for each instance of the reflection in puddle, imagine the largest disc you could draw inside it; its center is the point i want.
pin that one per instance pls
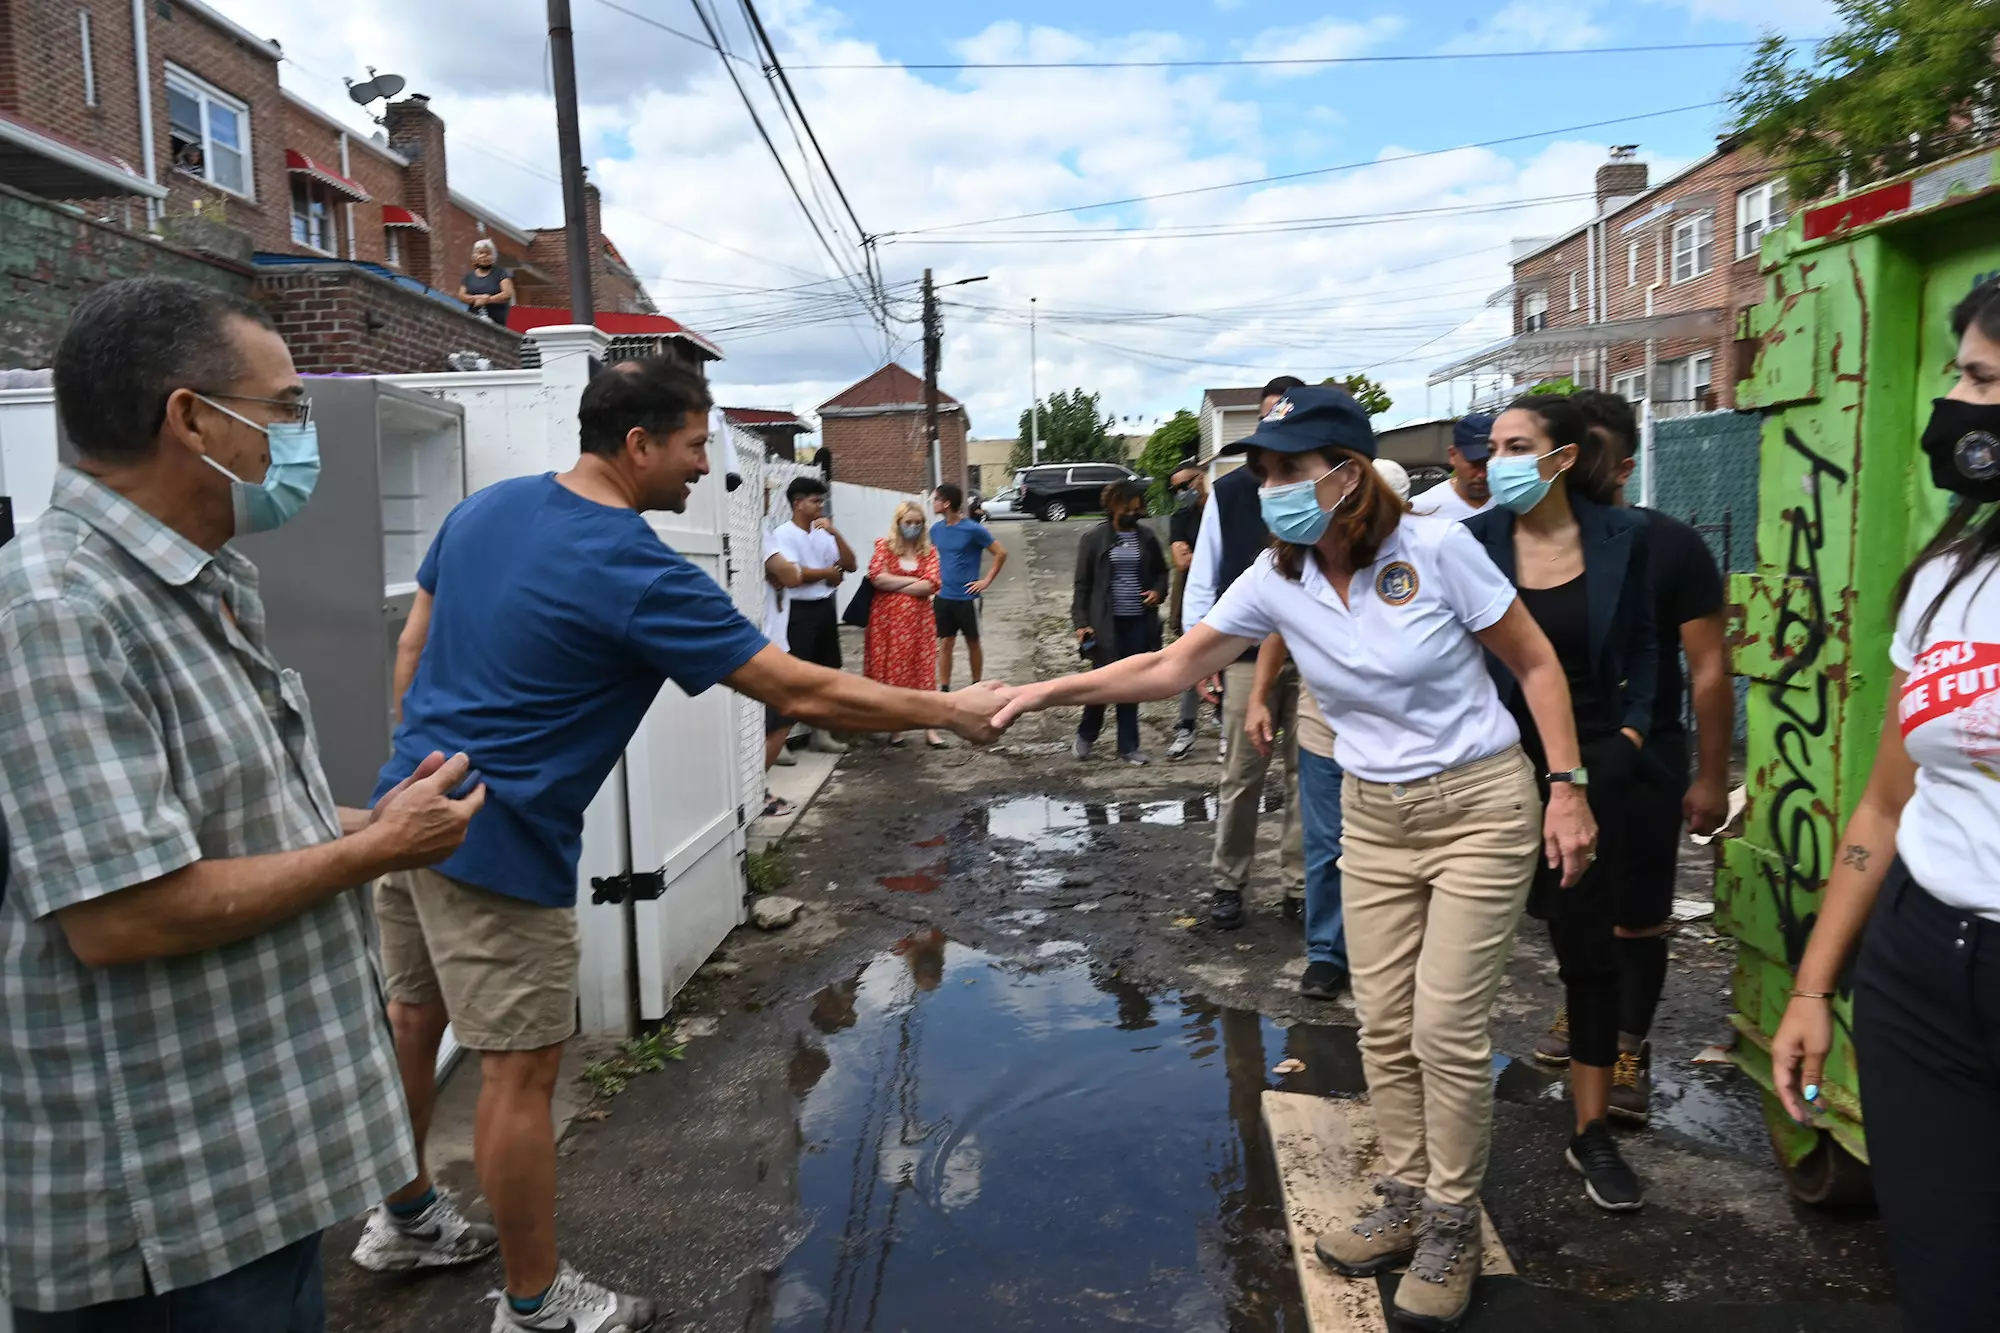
(1050, 1148)
(924, 880)
(1052, 825)
(1709, 1105)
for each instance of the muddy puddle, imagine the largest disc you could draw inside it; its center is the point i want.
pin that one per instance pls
(1032, 1142)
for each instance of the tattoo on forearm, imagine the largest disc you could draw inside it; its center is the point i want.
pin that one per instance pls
(1856, 857)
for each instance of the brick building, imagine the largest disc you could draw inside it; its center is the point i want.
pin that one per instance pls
(164, 121)
(1647, 297)
(875, 432)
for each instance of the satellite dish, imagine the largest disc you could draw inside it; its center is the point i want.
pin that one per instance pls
(378, 85)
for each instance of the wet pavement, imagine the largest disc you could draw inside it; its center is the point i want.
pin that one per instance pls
(1002, 1075)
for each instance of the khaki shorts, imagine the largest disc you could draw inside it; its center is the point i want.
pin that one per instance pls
(505, 969)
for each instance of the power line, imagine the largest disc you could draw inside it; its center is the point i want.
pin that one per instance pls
(1264, 62)
(1301, 175)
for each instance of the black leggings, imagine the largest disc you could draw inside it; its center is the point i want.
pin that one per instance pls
(1583, 918)
(1927, 1048)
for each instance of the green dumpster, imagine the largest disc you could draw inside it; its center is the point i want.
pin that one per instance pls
(1853, 343)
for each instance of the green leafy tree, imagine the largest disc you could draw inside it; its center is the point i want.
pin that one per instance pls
(1374, 399)
(1904, 82)
(1074, 430)
(1166, 449)
(1562, 384)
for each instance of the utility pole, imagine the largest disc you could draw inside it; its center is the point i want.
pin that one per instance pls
(931, 339)
(1034, 391)
(569, 146)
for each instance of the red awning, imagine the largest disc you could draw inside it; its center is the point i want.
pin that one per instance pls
(300, 164)
(527, 318)
(392, 216)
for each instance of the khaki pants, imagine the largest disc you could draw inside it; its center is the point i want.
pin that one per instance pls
(1433, 878)
(1243, 782)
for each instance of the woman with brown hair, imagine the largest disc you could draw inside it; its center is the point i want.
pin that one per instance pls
(900, 649)
(1580, 565)
(1385, 614)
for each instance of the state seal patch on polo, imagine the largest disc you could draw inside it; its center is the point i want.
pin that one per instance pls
(1397, 583)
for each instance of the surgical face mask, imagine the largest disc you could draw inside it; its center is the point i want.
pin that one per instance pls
(1292, 512)
(1518, 483)
(1963, 444)
(288, 482)
(911, 531)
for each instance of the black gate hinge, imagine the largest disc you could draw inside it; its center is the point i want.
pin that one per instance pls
(633, 886)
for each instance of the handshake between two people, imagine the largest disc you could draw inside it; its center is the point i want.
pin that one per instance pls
(982, 711)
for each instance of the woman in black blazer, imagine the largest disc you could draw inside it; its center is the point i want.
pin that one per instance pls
(1121, 579)
(1581, 568)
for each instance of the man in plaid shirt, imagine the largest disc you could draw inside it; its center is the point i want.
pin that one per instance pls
(196, 1070)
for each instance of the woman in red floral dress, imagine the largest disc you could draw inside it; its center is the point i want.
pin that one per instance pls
(902, 634)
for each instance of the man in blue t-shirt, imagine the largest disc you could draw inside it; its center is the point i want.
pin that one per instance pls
(959, 542)
(548, 616)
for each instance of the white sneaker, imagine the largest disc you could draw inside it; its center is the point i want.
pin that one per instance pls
(438, 1237)
(575, 1304)
(1183, 742)
(824, 743)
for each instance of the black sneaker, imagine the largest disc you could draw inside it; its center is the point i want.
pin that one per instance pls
(1610, 1183)
(1225, 911)
(1295, 908)
(1323, 981)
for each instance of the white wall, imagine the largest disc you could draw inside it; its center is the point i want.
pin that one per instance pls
(863, 513)
(27, 452)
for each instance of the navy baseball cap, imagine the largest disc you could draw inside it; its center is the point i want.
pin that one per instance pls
(1473, 437)
(1311, 417)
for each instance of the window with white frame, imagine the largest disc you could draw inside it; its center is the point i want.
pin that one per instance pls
(314, 214)
(1631, 263)
(1573, 301)
(392, 246)
(1534, 311)
(1759, 209)
(1700, 376)
(208, 132)
(1687, 380)
(1694, 247)
(1631, 386)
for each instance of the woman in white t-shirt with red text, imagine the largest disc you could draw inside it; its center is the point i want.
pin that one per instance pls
(1385, 614)
(1919, 869)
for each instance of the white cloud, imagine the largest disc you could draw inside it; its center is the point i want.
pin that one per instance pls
(1536, 25)
(915, 153)
(1328, 39)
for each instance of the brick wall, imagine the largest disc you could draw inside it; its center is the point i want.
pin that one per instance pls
(41, 71)
(50, 257)
(248, 73)
(417, 133)
(342, 320)
(891, 450)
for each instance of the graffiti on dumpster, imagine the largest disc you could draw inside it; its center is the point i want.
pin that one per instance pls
(1802, 814)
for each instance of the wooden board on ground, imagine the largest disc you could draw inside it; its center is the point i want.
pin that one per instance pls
(1327, 1159)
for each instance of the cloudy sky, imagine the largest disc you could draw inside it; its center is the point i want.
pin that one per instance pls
(1408, 178)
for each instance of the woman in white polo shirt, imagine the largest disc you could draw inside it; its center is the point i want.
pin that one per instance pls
(1919, 869)
(1385, 614)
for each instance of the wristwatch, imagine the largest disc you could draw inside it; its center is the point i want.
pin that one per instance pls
(1579, 777)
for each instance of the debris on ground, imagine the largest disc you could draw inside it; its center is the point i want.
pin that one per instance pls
(636, 1056)
(1289, 1067)
(1692, 909)
(772, 912)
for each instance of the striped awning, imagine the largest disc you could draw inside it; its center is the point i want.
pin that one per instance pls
(299, 164)
(393, 216)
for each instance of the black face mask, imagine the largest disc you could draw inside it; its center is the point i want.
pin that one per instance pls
(1963, 444)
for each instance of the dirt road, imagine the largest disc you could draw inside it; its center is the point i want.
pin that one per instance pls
(1002, 1075)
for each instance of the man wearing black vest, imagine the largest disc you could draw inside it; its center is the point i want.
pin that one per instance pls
(1232, 536)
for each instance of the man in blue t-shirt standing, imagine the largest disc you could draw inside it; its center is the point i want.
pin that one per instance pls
(548, 616)
(959, 542)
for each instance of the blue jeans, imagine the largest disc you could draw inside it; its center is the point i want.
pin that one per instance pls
(280, 1293)
(1319, 808)
(1131, 641)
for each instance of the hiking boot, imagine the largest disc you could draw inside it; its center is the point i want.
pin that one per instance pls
(1183, 742)
(1081, 747)
(438, 1237)
(1437, 1290)
(1382, 1238)
(575, 1304)
(1611, 1185)
(1553, 1048)
(1323, 981)
(1632, 1085)
(1225, 910)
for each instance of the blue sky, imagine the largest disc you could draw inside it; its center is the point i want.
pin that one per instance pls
(695, 201)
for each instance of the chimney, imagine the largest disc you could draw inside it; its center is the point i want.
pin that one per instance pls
(593, 213)
(417, 133)
(1621, 177)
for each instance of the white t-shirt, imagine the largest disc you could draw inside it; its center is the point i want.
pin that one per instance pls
(1398, 675)
(777, 605)
(1444, 501)
(1949, 836)
(807, 550)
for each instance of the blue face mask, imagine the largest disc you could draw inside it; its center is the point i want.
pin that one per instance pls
(1292, 513)
(1518, 483)
(288, 481)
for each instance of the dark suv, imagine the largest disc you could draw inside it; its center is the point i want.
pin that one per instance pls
(1054, 491)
